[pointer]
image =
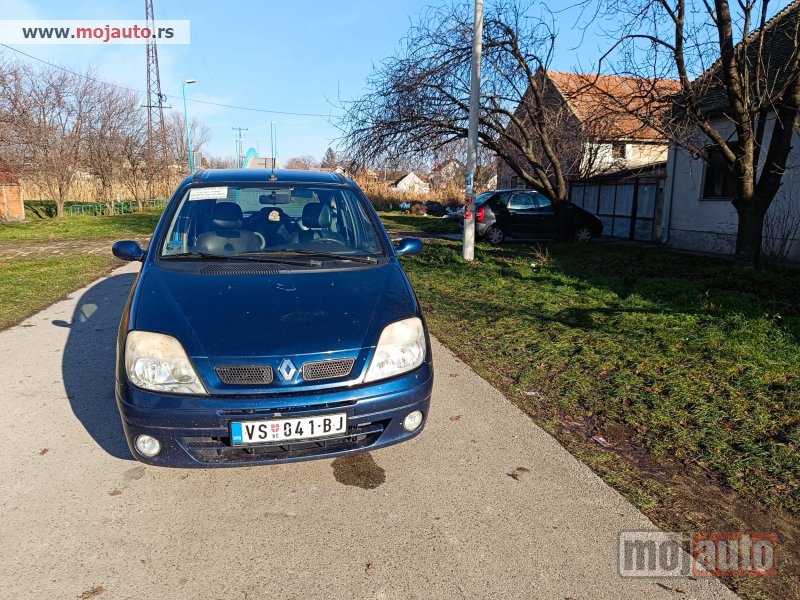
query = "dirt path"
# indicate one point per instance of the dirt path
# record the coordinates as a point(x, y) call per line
point(20, 249)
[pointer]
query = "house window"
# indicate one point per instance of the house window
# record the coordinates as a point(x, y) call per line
point(618, 150)
point(720, 180)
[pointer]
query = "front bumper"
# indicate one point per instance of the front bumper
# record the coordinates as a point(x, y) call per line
point(193, 434)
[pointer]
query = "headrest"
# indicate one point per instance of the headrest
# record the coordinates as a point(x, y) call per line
point(324, 196)
point(227, 215)
point(316, 216)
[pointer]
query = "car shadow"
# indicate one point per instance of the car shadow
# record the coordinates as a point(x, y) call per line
point(89, 361)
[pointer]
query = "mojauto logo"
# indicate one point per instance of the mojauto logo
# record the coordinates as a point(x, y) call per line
point(715, 553)
point(93, 32)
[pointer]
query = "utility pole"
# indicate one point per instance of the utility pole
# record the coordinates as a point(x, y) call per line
point(472, 136)
point(239, 153)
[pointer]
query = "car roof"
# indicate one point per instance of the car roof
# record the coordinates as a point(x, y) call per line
point(266, 176)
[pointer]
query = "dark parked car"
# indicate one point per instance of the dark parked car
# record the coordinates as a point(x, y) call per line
point(271, 321)
point(530, 215)
point(435, 209)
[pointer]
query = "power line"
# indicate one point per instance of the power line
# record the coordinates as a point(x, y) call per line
point(196, 44)
point(122, 87)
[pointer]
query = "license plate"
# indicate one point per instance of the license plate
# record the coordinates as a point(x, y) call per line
point(279, 430)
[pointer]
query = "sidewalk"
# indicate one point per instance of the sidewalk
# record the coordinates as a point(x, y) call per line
point(483, 504)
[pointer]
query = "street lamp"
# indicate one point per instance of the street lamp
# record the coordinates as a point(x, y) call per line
point(186, 120)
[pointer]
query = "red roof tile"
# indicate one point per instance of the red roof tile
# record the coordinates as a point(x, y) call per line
point(614, 104)
point(7, 177)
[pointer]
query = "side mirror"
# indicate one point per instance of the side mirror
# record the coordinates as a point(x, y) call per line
point(408, 247)
point(127, 250)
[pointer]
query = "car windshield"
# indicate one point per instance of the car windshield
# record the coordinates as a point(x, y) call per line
point(248, 220)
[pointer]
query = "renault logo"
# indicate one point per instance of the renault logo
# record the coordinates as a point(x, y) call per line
point(287, 370)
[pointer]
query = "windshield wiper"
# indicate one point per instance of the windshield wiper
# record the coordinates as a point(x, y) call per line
point(195, 254)
point(245, 256)
point(369, 260)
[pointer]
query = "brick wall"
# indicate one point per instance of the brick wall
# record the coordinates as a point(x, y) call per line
point(11, 205)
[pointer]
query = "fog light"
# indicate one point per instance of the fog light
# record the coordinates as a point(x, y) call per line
point(150, 446)
point(412, 421)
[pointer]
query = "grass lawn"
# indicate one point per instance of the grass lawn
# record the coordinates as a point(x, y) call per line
point(134, 225)
point(397, 221)
point(31, 285)
point(688, 367)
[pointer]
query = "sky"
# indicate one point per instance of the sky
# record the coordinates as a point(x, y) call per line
point(296, 56)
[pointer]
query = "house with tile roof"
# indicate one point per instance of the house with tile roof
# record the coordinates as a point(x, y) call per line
point(448, 172)
point(700, 187)
point(619, 154)
point(611, 113)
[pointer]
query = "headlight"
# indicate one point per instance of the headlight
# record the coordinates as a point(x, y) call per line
point(401, 348)
point(158, 362)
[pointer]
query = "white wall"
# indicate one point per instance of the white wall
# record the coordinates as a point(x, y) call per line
point(646, 154)
point(710, 225)
point(412, 183)
point(598, 156)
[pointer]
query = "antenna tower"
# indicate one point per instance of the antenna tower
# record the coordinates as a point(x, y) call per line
point(155, 99)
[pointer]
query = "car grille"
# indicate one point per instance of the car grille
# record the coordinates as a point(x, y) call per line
point(245, 374)
point(239, 269)
point(220, 450)
point(269, 412)
point(328, 369)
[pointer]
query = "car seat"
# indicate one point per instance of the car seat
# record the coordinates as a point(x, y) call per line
point(317, 222)
point(227, 235)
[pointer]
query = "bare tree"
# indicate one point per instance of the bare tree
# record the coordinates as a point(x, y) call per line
point(59, 127)
point(418, 101)
point(46, 128)
point(136, 173)
point(11, 92)
point(485, 168)
point(116, 129)
point(302, 162)
point(220, 162)
point(177, 151)
point(739, 88)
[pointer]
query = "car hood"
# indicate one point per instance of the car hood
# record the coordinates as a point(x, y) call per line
point(289, 314)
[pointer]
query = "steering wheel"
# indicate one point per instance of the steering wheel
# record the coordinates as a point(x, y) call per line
point(263, 240)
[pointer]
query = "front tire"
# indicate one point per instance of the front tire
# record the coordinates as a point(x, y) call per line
point(582, 235)
point(494, 235)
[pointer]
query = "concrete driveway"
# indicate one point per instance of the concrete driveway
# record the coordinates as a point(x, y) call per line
point(437, 517)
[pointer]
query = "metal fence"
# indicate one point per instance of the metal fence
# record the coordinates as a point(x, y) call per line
point(627, 208)
point(120, 208)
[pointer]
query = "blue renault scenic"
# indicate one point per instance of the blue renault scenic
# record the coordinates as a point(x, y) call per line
point(271, 321)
